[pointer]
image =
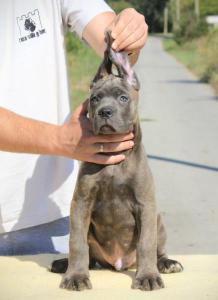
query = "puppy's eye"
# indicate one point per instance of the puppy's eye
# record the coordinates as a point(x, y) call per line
point(124, 98)
point(94, 99)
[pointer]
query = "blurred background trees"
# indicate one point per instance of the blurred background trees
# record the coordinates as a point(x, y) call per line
point(188, 17)
point(181, 13)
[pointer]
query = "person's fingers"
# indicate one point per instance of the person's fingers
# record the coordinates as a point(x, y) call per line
point(80, 117)
point(82, 109)
point(129, 30)
point(131, 27)
point(136, 37)
point(136, 45)
point(111, 138)
point(112, 147)
point(107, 159)
point(121, 21)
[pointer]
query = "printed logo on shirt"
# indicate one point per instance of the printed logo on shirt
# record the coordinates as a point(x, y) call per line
point(30, 26)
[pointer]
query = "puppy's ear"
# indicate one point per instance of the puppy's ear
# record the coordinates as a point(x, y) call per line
point(106, 65)
point(120, 60)
point(125, 70)
point(103, 70)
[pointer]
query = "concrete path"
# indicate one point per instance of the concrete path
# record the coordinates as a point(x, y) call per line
point(27, 278)
point(180, 132)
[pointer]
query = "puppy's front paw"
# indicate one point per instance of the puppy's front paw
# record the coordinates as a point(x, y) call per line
point(75, 282)
point(166, 265)
point(148, 282)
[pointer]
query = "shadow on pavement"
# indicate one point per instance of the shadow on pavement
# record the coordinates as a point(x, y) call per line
point(183, 162)
point(188, 81)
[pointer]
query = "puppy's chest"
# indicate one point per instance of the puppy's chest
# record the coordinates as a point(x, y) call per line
point(114, 200)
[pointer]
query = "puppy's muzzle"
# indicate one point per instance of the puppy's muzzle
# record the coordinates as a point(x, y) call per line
point(106, 112)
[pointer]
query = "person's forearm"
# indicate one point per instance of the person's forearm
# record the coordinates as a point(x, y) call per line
point(20, 134)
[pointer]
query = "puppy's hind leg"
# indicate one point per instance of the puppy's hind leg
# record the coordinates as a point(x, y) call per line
point(164, 264)
point(60, 265)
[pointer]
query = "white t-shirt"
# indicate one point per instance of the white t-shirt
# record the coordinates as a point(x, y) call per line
point(37, 189)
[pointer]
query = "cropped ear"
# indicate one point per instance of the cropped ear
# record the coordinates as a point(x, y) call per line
point(106, 65)
point(118, 59)
point(125, 70)
point(103, 71)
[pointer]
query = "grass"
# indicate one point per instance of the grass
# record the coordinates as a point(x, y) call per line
point(82, 66)
point(187, 54)
point(199, 55)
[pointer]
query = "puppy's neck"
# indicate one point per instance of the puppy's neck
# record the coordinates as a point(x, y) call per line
point(137, 134)
point(137, 139)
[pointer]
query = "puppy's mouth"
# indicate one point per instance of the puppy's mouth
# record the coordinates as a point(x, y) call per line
point(107, 129)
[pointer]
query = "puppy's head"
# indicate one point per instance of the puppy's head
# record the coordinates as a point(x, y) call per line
point(114, 94)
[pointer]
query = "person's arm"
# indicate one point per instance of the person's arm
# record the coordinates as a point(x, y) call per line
point(74, 139)
point(21, 134)
point(129, 31)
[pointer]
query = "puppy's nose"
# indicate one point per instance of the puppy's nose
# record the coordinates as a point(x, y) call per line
point(105, 112)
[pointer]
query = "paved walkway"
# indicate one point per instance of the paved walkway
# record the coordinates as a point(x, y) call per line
point(27, 278)
point(180, 132)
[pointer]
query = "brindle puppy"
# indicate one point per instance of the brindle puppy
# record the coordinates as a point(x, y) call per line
point(114, 220)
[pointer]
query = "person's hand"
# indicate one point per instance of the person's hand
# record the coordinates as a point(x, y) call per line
point(78, 141)
point(129, 31)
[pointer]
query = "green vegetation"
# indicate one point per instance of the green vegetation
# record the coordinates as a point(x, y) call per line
point(153, 12)
point(195, 43)
point(208, 7)
point(199, 55)
point(195, 28)
point(188, 20)
point(82, 66)
point(118, 6)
